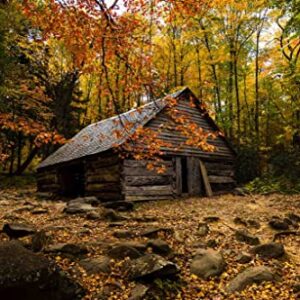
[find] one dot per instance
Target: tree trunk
(200, 87)
(237, 96)
(256, 116)
(27, 162)
(230, 91)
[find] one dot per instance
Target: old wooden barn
(88, 165)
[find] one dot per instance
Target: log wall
(102, 176)
(47, 180)
(141, 184)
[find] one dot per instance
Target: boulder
(243, 258)
(68, 248)
(136, 245)
(78, 208)
(212, 243)
(122, 251)
(250, 276)
(96, 265)
(239, 191)
(207, 263)
(278, 224)
(84, 200)
(253, 223)
(119, 205)
(150, 267)
(94, 215)
(246, 237)
(152, 232)
(203, 229)
(240, 221)
(159, 247)
(18, 230)
(28, 276)
(124, 234)
(111, 215)
(139, 292)
(293, 217)
(269, 250)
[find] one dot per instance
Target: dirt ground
(183, 218)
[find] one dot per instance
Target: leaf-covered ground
(183, 218)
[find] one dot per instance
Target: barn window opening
(184, 177)
(72, 180)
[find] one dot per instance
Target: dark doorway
(72, 180)
(184, 175)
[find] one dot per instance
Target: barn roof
(101, 136)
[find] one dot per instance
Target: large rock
(293, 217)
(18, 230)
(151, 266)
(141, 247)
(79, 208)
(207, 263)
(243, 258)
(269, 250)
(152, 232)
(111, 215)
(119, 205)
(159, 247)
(139, 292)
(28, 276)
(68, 248)
(96, 265)
(122, 251)
(250, 276)
(279, 224)
(246, 237)
(84, 200)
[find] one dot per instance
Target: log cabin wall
(47, 180)
(141, 184)
(102, 176)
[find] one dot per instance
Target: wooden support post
(205, 179)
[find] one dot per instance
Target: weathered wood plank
(101, 171)
(106, 177)
(178, 176)
(147, 180)
(192, 152)
(105, 196)
(229, 173)
(220, 179)
(143, 163)
(143, 171)
(103, 187)
(148, 190)
(205, 179)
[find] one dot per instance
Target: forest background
(65, 64)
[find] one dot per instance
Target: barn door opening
(184, 176)
(72, 180)
(188, 177)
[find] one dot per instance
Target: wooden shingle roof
(101, 136)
